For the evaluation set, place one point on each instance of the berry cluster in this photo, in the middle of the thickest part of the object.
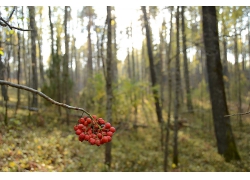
(96, 131)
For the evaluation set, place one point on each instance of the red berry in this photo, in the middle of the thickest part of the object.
(92, 141)
(109, 138)
(109, 133)
(75, 127)
(94, 116)
(93, 136)
(81, 120)
(82, 136)
(88, 120)
(85, 123)
(78, 131)
(97, 142)
(86, 137)
(104, 139)
(112, 129)
(99, 135)
(107, 125)
(80, 139)
(80, 126)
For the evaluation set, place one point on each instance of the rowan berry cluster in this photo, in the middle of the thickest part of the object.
(96, 131)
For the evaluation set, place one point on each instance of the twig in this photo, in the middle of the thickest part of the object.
(12, 27)
(11, 13)
(245, 113)
(18, 86)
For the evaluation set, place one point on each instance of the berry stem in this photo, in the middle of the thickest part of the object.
(18, 86)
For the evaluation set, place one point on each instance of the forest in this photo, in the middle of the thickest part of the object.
(98, 89)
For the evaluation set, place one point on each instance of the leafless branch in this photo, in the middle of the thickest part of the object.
(18, 86)
(14, 8)
(238, 114)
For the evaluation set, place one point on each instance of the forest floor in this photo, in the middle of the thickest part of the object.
(39, 141)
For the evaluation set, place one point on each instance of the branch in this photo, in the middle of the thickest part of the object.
(12, 27)
(245, 113)
(18, 86)
(11, 13)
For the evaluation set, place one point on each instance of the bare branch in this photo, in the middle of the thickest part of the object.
(14, 8)
(6, 23)
(241, 114)
(11, 27)
(18, 86)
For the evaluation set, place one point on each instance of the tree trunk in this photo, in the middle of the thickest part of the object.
(109, 81)
(33, 54)
(90, 64)
(177, 91)
(166, 153)
(186, 72)
(222, 126)
(18, 69)
(66, 62)
(42, 79)
(152, 70)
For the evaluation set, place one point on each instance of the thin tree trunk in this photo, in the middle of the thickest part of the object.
(18, 69)
(90, 64)
(152, 70)
(186, 72)
(166, 153)
(66, 62)
(177, 92)
(33, 54)
(223, 131)
(109, 81)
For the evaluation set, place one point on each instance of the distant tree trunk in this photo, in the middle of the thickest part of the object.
(98, 51)
(66, 62)
(40, 55)
(33, 54)
(224, 64)
(166, 153)
(237, 74)
(152, 70)
(53, 63)
(24, 53)
(115, 70)
(186, 72)
(153, 74)
(18, 69)
(177, 91)
(129, 61)
(223, 131)
(90, 64)
(109, 81)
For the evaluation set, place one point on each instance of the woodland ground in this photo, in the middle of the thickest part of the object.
(40, 142)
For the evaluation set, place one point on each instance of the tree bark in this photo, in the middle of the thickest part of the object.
(66, 62)
(90, 64)
(177, 91)
(222, 126)
(33, 54)
(166, 153)
(109, 81)
(152, 70)
(186, 72)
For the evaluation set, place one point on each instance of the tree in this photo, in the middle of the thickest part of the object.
(177, 91)
(109, 80)
(186, 72)
(152, 70)
(166, 153)
(66, 79)
(33, 54)
(222, 126)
